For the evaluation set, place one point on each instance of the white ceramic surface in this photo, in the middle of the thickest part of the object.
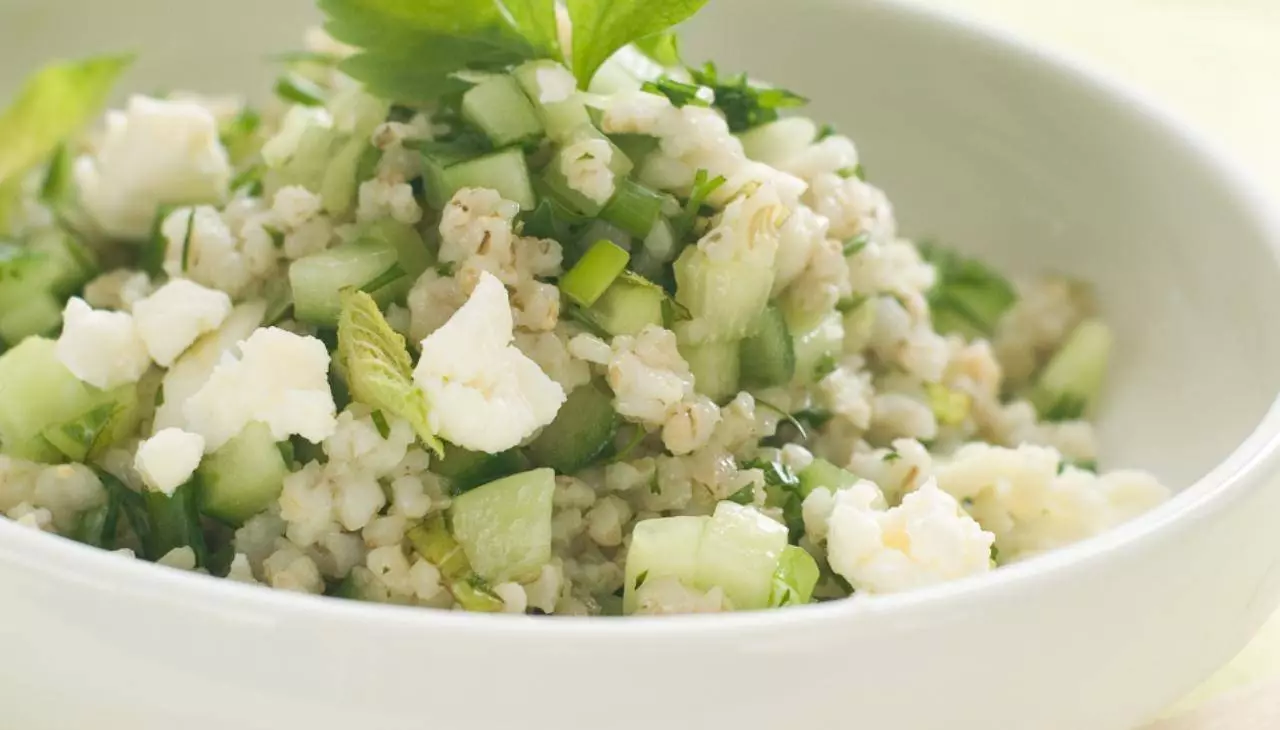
(979, 140)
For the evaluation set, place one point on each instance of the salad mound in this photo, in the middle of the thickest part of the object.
(501, 306)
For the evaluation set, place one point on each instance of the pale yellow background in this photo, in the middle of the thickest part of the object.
(1216, 63)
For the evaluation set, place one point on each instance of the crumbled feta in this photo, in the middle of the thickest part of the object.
(295, 205)
(154, 153)
(167, 460)
(485, 394)
(927, 539)
(117, 289)
(280, 379)
(170, 320)
(585, 166)
(201, 247)
(380, 198)
(101, 348)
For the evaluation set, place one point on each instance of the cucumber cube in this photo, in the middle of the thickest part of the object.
(815, 342)
(715, 367)
(739, 552)
(501, 110)
(822, 473)
(628, 306)
(243, 477)
(317, 279)
(666, 547)
(505, 171)
(768, 356)
(584, 428)
(504, 527)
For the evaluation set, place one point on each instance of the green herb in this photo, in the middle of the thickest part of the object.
(287, 452)
(891, 456)
(57, 178)
(826, 365)
(277, 236)
(52, 106)
(174, 523)
(795, 420)
(413, 49)
(679, 92)
(600, 29)
(854, 245)
(782, 489)
(249, 180)
(380, 423)
(185, 255)
(1065, 407)
(745, 105)
(1083, 465)
(826, 130)
(435, 543)
(549, 220)
(968, 298)
(635, 441)
(316, 57)
(585, 319)
(703, 187)
(995, 553)
(379, 371)
(848, 304)
(394, 273)
(300, 90)
(744, 496)
(662, 47)
(640, 579)
(855, 171)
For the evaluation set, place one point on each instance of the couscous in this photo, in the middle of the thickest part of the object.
(503, 308)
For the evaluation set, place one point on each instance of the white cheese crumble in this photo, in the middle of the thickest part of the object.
(154, 153)
(99, 347)
(585, 166)
(280, 379)
(170, 320)
(167, 460)
(485, 394)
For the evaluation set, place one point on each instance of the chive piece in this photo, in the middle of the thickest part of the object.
(300, 90)
(854, 246)
(380, 423)
(634, 208)
(595, 271)
(249, 180)
(744, 496)
(804, 434)
(186, 239)
(703, 186)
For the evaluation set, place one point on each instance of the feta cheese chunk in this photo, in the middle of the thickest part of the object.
(585, 166)
(99, 347)
(485, 394)
(170, 320)
(280, 379)
(154, 153)
(927, 539)
(167, 460)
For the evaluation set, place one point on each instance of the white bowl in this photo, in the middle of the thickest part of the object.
(979, 139)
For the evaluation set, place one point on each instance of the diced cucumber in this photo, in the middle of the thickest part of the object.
(634, 208)
(822, 473)
(66, 262)
(629, 305)
(505, 526)
(768, 356)
(505, 171)
(436, 544)
(1068, 387)
(725, 297)
(665, 547)
(592, 275)
(600, 230)
(501, 110)
(341, 179)
(244, 477)
(778, 142)
(860, 325)
(111, 420)
(815, 341)
(581, 432)
(739, 552)
(415, 256)
(661, 241)
(466, 470)
(715, 367)
(195, 365)
(26, 314)
(559, 118)
(38, 393)
(311, 159)
(317, 279)
(795, 579)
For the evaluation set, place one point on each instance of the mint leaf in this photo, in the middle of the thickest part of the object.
(54, 104)
(413, 48)
(601, 28)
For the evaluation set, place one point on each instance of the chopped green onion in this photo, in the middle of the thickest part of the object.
(703, 186)
(249, 180)
(394, 273)
(595, 271)
(634, 208)
(239, 133)
(300, 90)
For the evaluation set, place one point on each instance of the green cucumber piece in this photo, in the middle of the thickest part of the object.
(637, 147)
(582, 431)
(174, 522)
(815, 342)
(629, 305)
(112, 420)
(467, 470)
(726, 298)
(796, 577)
(501, 110)
(504, 527)
(38, 393)
(559, 118)
(768, 357)
(505, 171)
(415, 256)
(822, 473)
(778, 142)
(739, 552)
(316, 280)
(244, 477)
(26, 314)
(665, 547)
(592, 275)
(1068, 387)
(716, 368)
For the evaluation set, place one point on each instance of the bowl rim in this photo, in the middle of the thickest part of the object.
(1227, 482)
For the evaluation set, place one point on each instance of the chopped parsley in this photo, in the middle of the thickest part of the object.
(640, 579)
(744, 496)
(745, 105)
(679, 92)
(891, 456)
(782, 490)
(854, 246)
(968, 298)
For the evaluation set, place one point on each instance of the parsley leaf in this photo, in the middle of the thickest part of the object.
(745, 105)
(968, 298)
(679, 92)
(744, 496)
(782, 489)
(601, 28)
(412, 48)
(703, 186)
(663, 47)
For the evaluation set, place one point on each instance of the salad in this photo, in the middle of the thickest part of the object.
(506, 307)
